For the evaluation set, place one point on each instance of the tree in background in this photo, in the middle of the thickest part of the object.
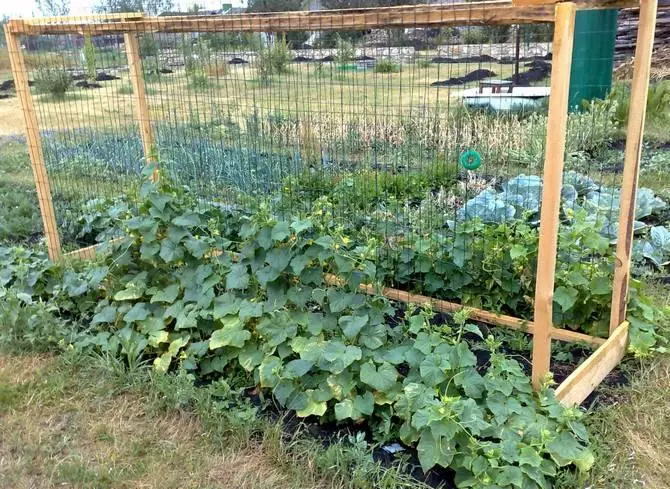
(3, 20)
(294, 39)
(53, 8)
(274, 5)
(152, 7)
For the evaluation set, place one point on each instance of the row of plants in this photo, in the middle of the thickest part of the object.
(489, 245)
(263, 314)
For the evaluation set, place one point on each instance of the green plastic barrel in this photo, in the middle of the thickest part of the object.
(592, 55)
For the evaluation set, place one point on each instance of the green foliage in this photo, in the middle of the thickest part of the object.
(19, 209)
(345, 51)
(589, 132)
(364, 190)
(274, 60)
(90, 57)
(658, 101)
(198, 80)
(148, 46)
(53, 81)
(475, 35)
(386, 66)
(424, 63)
(268, 315)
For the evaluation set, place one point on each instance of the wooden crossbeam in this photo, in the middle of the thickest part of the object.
(480, 13)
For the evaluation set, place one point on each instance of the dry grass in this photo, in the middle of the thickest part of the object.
(633, 435)
(69, 424)
(56, 433)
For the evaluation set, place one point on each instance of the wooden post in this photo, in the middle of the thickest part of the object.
(631, 171)
(564, 27)
(140, 97)
(34, 143)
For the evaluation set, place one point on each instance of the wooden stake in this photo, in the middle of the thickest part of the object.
(581, 383)
(140, 97)
(33, 138)
(551, 194)
(631, 171)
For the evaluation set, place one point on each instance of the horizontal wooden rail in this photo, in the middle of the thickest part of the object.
(496, 12)
(64, 19)
(466, 13)
(582, 382)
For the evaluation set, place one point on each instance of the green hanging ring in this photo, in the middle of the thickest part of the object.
(470, 159)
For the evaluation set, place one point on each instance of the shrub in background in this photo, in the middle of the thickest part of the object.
(274, 60)
(386, 66)
(89, 58)
(53, 81)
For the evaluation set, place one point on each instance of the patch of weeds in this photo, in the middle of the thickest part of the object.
(127, 89)
(386, 66)
(198, 80)
(20, 220)
(55, 82)
(9, 397)
(78, 474)
(424, 64)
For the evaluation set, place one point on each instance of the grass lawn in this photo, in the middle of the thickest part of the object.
(83, 422)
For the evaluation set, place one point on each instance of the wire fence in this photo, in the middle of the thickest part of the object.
(429, 136)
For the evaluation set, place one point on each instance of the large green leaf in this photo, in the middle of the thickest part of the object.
(167, 295)
(231, 334)
(138, 312)
(382, 379)
(434, 451)
(280, 231)
(566, 297)
(352, 325)
(434, 369)
(237, 278)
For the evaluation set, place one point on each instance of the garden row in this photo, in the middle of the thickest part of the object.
(261, 313)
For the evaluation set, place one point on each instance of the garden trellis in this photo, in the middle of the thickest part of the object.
(367, 122)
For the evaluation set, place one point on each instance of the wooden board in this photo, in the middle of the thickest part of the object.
(61, 19)
(581, 383)
(140, 97)
(633, 152)
(584, 4)
(34, 143)
(551, 192)
(496, 12)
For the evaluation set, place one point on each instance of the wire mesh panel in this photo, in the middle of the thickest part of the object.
(425, 140)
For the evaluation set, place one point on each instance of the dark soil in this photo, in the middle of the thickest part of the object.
(509, 60)
(476, 75)
(238, 61)
(538, 72)
(5, 95)
(364, 58)
(102, 76)
(326, 59)
(9, 85)
(484, 58)
(302, 59)
(87, 85)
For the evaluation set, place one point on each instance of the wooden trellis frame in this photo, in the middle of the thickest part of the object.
(610, 350)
